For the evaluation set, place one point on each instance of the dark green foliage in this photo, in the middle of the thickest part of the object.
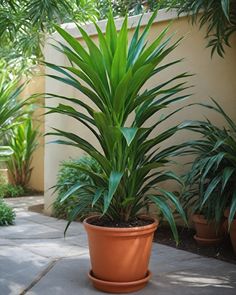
(211, 183)
(11, 191)
(130, 7)
(7, 215)
(68, 176)
(218, 15)
(132, 157)
(23, 25)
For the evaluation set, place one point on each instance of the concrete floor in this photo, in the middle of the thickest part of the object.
(35, 259)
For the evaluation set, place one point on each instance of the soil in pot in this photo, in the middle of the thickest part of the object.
(207, 233)
(120, 255)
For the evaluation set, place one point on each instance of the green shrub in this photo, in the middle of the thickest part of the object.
(7, 215)
(67, 177)
(11, 191)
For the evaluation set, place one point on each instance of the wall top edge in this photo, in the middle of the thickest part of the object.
(163, 15)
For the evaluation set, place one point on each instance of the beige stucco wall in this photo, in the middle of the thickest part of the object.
(36, 84)
(213, 77)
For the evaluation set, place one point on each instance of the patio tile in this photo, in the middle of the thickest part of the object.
(53, 248)
(69, 276)
(18, 268)
(29, 231)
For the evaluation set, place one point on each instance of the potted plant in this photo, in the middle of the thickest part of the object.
(208, 231)
(213, 174)
(112, 76)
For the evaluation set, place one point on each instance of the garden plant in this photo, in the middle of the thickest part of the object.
(211, 182)
(11, 108)
(113, 77)
(133, 167)
(68, 176)
(23, 140)
(7, 215)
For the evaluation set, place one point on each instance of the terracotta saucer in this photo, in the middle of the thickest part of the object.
(207, 242)
(119, 287)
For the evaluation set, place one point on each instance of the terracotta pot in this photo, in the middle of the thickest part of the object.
(120, 256)
(232, 230)
(206, 232)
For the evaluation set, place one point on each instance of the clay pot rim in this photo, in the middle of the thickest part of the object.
(121, 229)
(119, 284)
(207, 240)
(199, 218)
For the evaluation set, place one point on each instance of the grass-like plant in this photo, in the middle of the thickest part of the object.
(23, 140)
(211, 182)
(132, 152)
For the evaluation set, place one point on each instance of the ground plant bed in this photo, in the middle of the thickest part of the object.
(224, 251)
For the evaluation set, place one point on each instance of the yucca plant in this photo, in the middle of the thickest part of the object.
(211, 182)
(23, 140)
(132, 155)
(11, 108)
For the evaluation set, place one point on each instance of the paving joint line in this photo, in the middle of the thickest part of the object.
(40, 276)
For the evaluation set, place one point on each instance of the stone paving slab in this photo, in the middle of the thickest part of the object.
(18, 268)
(35, 259)
(69, 276)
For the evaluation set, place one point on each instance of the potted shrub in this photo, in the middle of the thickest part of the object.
(112, 76)
(208, 231)
(213, 173)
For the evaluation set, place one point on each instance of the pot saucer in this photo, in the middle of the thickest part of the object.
(119, 287)
(207, 242)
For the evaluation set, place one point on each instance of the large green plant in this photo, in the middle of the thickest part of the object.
(132, 153)
(23, 140)
(212, 178)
